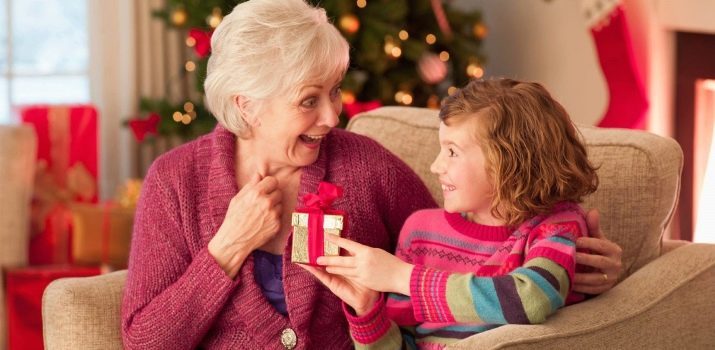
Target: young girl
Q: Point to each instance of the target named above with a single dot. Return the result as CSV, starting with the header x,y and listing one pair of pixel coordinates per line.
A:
x,y
501,251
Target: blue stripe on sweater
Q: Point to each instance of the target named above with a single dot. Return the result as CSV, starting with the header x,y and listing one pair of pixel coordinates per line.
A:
x,y
486,301
552,293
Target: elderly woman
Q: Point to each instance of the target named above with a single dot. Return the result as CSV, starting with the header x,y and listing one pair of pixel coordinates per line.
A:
x,y
210,260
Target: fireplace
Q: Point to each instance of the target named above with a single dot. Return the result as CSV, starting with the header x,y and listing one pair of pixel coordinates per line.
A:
x,y
694,120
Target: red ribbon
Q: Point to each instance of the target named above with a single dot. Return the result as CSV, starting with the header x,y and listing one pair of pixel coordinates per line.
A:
x,y
316,204
143,127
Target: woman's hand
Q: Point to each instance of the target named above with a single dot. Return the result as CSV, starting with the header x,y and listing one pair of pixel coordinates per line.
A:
x,y
605,259
373,268
360,298
253,218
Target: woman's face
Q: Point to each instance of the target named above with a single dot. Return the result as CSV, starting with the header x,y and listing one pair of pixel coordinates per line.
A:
x,y
292,131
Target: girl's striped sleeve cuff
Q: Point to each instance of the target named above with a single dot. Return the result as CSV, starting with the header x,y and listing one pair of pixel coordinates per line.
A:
x,y
428,290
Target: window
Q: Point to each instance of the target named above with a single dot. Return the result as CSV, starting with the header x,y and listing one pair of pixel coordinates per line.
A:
x,y
44,54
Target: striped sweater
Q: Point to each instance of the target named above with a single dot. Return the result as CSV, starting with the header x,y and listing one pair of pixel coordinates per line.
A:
x,y
469,278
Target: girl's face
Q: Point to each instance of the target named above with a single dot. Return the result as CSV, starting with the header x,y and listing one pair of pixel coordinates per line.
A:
x,y
461,167
291,131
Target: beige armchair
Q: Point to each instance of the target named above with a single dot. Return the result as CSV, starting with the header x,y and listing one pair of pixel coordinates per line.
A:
x,y
18,145
663,301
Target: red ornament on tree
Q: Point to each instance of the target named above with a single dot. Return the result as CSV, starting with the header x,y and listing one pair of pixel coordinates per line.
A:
x,y
351,109
431,69
202,39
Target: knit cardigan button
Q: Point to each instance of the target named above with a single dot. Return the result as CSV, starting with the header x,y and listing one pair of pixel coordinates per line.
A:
x,y
288,338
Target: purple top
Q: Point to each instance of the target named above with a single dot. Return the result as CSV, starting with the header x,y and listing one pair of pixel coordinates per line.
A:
x,y
267,270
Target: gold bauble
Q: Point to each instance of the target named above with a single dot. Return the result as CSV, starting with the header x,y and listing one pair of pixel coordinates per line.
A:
x,y
349,23
179,16
480,30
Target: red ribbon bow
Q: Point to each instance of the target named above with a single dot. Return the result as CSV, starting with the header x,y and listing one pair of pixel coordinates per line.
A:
x,y
143,127
327,194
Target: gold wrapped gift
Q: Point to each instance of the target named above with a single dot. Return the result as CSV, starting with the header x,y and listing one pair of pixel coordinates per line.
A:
x,y
101,234
303,238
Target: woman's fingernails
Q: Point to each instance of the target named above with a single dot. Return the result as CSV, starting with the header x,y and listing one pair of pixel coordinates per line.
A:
x,y
320,260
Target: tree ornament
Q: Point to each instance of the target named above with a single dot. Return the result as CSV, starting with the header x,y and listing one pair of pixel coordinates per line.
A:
x,y
441,17
179,16
433,102
349,23
480,30
201,40
431,68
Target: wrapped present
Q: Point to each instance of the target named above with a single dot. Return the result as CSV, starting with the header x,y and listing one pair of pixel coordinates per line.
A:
x,y
66,171
313,222
25,287
101,234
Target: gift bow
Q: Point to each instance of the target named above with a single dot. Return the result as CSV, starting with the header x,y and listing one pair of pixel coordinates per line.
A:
x,y
327,194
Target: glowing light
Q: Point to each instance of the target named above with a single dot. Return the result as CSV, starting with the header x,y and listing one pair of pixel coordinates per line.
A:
x,y
188,106
215,18
444,56
361,3
404,35
430,39
190,42
396,52
451,90
186,119
177,116
348,97
190,66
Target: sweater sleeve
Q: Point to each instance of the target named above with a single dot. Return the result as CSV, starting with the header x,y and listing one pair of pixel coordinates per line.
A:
x,y
171,298
527,295
375,330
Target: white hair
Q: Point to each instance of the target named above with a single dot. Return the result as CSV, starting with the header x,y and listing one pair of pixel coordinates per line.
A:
x,y
267,48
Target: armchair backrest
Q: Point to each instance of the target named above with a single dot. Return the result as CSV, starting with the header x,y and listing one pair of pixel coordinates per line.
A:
x,y
639,173
18,147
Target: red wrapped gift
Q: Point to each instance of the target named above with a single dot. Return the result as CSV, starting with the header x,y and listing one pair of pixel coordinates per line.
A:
x,y
312,224
66,172
25,286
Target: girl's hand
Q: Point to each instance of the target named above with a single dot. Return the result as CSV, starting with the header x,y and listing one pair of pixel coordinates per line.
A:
x,y
606,259
360,298
371,267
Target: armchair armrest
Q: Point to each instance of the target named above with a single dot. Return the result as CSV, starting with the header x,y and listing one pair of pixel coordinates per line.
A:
x,y
665,304
83,313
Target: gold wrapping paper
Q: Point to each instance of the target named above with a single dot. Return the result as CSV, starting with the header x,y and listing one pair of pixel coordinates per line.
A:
x,y
332,225
92,239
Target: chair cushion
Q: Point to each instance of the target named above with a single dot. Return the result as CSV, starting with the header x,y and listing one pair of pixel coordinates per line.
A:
x,y
639,173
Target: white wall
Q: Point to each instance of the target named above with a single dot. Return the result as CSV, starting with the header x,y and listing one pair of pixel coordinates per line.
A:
x,y
548,42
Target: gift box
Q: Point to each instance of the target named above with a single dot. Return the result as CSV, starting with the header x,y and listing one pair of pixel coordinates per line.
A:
x,y
66,171
25,287
101,234
313,223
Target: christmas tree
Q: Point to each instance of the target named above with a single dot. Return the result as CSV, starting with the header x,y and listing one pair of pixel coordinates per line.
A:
x,y
403,52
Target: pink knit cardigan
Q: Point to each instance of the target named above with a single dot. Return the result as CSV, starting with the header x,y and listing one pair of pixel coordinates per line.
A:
x,y
176,295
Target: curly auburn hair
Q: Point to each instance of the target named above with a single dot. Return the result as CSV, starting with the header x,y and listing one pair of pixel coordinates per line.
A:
x,y
533,153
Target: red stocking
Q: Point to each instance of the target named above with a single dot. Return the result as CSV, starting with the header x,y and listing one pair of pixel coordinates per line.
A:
x,y
628,102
